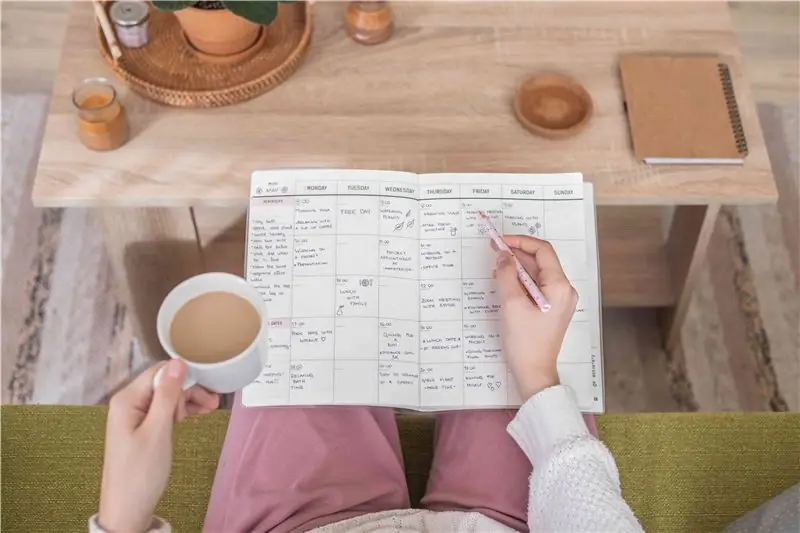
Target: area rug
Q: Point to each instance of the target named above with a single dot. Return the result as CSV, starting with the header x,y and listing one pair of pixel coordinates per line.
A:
x,y
66,336
741,340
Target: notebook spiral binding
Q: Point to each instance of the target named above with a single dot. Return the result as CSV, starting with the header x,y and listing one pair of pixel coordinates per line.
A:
x,y
733,108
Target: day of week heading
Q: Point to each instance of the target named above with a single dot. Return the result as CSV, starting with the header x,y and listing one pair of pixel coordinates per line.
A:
x,y
358,187
480,191
440,191
563,192
400,189
317,187
523,191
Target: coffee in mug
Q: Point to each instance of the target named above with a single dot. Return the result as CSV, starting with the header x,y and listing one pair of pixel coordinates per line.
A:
x,y
214,327
215,323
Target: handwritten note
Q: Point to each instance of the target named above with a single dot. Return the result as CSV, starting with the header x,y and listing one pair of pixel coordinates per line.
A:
x,y
379,285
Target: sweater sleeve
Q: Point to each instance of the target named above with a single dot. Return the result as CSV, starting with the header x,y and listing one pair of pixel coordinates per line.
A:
x,y
575,483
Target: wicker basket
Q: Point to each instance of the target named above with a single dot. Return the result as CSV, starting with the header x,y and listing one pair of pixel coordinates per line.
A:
x,y
167,70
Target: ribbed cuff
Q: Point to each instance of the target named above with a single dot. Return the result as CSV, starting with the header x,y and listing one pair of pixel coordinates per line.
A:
x,y
156,526
546,419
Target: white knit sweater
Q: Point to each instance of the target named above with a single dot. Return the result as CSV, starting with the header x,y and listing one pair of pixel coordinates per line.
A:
x,y
574,485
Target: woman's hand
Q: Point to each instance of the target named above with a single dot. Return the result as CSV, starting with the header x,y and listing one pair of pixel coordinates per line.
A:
x,y
138,454
531,338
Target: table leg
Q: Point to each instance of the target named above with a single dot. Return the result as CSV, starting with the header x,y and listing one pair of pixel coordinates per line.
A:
x,y
222,232
687,243
151,251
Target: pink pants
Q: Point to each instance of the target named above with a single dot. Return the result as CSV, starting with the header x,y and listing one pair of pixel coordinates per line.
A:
x,y
289,469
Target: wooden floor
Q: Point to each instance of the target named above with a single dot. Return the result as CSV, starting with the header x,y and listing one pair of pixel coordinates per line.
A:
x,y
768,38
32,32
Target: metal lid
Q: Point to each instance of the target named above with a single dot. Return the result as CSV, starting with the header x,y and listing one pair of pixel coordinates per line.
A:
x,y
129,13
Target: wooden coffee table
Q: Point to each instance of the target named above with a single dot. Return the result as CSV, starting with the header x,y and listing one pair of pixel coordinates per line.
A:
x,y
437,97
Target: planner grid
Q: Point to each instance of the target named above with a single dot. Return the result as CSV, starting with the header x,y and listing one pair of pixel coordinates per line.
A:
x,y
379,286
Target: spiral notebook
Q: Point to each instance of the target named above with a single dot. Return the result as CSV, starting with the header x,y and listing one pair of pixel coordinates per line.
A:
x,y
682,110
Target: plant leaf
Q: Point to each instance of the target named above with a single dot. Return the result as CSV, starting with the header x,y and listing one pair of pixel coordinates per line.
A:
x,y
258,11
173,5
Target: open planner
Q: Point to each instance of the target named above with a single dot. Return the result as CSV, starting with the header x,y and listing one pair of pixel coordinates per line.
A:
x,y
379,290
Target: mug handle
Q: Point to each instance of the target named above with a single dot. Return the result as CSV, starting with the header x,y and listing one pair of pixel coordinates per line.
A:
x,y
188,381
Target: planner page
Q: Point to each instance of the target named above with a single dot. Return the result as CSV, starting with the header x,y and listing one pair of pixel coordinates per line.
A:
x,y
379,291
461,361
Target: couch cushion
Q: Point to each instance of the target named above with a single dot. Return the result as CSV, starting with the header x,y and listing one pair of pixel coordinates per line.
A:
x,y
680,472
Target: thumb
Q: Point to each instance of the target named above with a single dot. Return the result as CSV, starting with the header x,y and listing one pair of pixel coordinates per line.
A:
x,y
167,394
508,283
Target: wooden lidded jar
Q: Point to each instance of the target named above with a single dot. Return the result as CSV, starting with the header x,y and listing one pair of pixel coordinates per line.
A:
x,y
369,22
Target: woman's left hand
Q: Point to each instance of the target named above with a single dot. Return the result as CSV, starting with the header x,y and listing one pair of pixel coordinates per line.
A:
x,y
138,453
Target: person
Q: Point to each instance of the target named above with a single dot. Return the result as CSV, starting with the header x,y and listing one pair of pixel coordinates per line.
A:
x,y
340,469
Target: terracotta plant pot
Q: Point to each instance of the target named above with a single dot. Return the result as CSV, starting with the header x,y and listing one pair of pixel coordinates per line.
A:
x,y
217,31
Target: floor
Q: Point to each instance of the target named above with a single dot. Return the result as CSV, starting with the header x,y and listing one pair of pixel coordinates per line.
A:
x,y
65,337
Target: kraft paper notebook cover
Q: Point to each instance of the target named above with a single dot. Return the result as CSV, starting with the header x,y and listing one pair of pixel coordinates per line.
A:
x,y
682,110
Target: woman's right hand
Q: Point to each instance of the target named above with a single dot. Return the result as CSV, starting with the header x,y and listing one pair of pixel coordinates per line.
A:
x,y
531,338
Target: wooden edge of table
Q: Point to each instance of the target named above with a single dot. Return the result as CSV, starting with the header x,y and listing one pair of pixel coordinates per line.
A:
x,y
46,201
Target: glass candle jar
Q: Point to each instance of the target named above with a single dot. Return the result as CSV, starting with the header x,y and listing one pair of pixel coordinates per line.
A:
x,y
369,22
101,118
130,22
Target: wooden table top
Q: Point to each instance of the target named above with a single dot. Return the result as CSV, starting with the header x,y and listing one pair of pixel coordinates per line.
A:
x,y
437,97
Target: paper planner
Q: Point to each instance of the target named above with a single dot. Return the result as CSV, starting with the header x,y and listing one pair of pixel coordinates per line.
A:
x,y
379,290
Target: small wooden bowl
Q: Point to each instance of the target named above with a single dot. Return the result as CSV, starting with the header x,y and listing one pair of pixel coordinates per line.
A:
x,y
553,106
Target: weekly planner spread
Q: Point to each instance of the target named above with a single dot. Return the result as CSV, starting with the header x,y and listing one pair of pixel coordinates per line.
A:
x,y
379,285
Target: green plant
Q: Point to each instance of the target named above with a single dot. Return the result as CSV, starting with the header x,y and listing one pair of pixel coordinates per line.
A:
x,y
257,11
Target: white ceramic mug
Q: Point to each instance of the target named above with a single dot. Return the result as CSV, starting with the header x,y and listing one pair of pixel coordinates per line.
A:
x,y
223,376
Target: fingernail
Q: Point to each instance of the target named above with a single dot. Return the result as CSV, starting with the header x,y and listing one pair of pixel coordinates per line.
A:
x,y
175,368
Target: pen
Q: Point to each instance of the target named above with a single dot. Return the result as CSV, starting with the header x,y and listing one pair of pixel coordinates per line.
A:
x,y
522,274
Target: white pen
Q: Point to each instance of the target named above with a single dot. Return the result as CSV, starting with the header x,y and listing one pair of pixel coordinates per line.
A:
x,y
522,274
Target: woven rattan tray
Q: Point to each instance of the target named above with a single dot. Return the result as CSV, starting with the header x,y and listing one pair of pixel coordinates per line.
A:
x,y
168,71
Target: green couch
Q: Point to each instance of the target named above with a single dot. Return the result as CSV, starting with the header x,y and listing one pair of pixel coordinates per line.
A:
x,y
680,472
